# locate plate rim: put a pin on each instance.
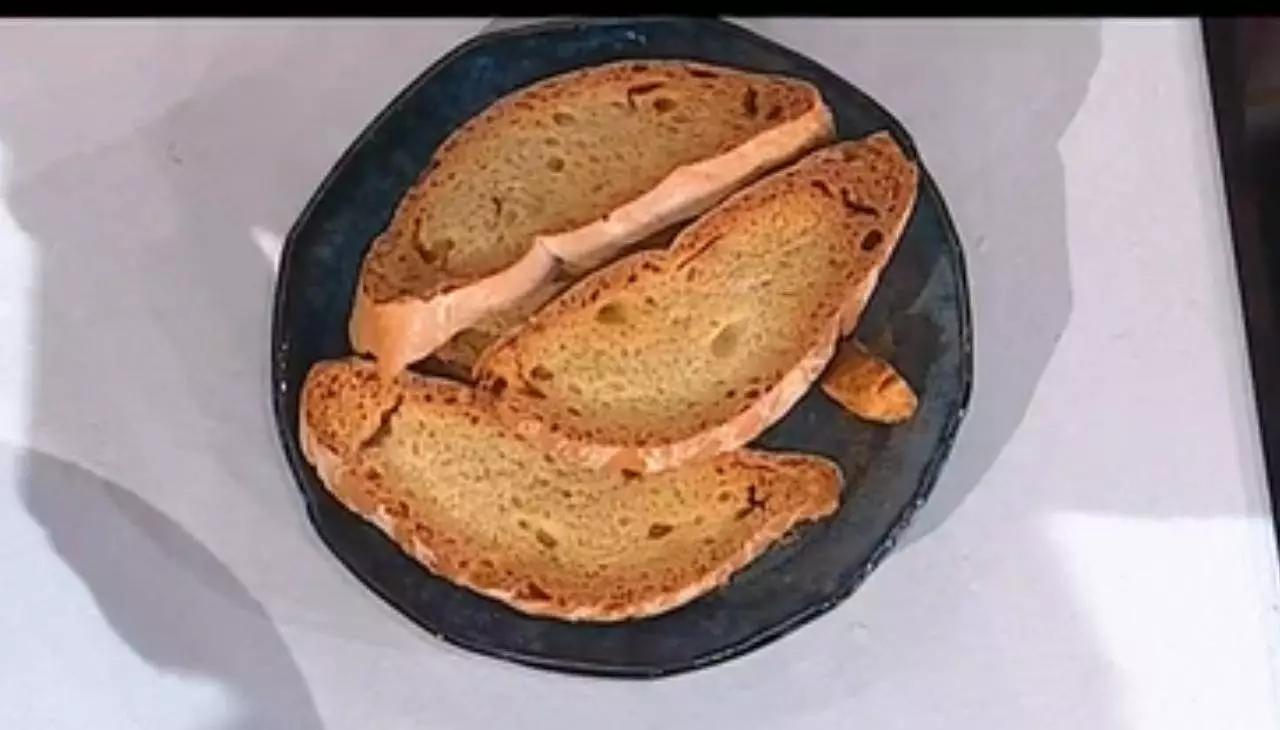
(301, 471)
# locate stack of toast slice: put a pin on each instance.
(597, 469)
(558, 177)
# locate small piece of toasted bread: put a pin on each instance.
(571, 171)
(482, 508)
(868, 386)
(668, 356)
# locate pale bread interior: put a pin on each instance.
(479, 506)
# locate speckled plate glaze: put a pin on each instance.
(922, 305)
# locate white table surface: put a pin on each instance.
(1097, 556)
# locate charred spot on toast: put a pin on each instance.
(871, 240)
(531, 591)
(754, 502)
(397, 509)
(751, 102)
(497, 386)
(855, 206)
(640, 90)
(383, 430)
(664, 104)
(658, 530)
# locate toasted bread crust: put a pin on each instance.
(502, 373)
(868, 386)
(808, 488)
(406, 307)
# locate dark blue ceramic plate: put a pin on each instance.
(922, 302)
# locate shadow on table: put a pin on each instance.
(141, 170)
(165, 594)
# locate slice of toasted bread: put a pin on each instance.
(480, 507)
(570, 170)
(668, 356)
(868, 386)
